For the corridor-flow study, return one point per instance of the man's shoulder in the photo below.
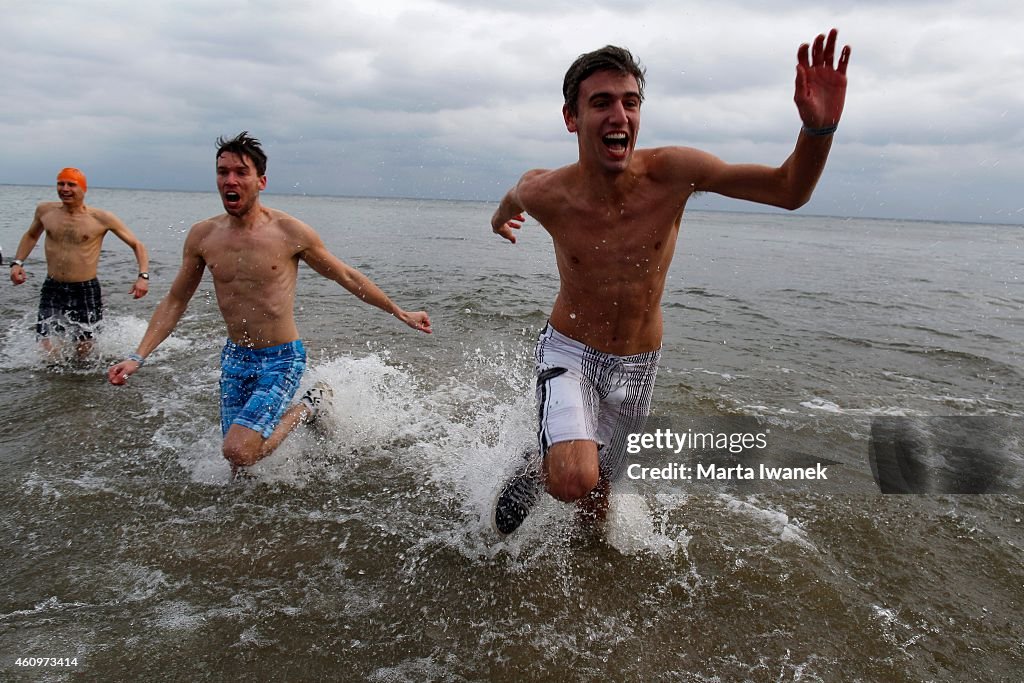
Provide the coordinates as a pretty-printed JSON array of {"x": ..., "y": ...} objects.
[
  {"x": 46, "y": 208},
  {"x": 209, "y": 223},
  {"x": 545, "y": 183},
  {"x": 676, "y": 160},
  {"x": 102, "y": 216},
  {"x": 288, "y": 225},
  {"x": 206, "y": 227},
  {"x": 545, "y": 176},
  {"x": 282, "y": 218}
]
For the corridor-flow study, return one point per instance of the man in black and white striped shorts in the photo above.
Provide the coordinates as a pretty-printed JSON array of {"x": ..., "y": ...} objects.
[
  {"x": 588, "y": 395},
  {"x": 614, "y": 217}
]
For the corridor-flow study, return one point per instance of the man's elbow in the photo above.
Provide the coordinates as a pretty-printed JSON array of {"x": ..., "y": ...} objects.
[
  {"x": 795, "y": 203},
  {"x": 794, "y": 199}
]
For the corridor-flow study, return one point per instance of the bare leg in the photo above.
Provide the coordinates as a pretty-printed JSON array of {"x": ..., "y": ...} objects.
[
  {"x": 244, "y": 446},
  {"x": 84, "y": 348},
  {"x": 292, "y": 418},
  {"x": 50, "y": 349},
  {"x": 571, "y": 470}
]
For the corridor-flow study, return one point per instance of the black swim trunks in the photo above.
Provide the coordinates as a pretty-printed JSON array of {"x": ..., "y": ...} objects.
[{"x": 69, "y": 309}]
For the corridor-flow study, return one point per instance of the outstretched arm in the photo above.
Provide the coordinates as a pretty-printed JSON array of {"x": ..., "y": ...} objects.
[
  {"x": 114, "y": 224},
  {"x": 331, "y": 267},
  {"x": 820, "y": 97},
  {"x": 167, "y": 314},
  {"x": 509, "y": 216}
]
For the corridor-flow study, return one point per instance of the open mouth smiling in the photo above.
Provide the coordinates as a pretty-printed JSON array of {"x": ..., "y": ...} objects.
[{"x": 617, "y": 142}]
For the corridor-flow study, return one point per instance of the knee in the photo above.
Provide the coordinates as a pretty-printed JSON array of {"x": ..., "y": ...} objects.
[
  {"x": 238, "y": 454},
  {"x": 571, "y": 484}
]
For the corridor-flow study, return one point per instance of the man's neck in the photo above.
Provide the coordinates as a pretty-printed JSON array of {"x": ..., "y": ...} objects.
[
  {"x": 249, "y": 219},
  {"x": 600, "y": 184},
  {"x": 73, "y": 207}
]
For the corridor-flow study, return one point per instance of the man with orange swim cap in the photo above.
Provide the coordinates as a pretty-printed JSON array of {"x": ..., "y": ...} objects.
[
  {"x": 73, "y": 175},
  {"x": 70, "y": 303}
]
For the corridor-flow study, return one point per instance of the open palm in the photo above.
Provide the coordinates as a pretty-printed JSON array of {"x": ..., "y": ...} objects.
[{"x": 820, "y": 86}]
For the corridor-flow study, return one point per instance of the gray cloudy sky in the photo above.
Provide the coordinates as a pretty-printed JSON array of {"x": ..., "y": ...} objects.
[{"x": 455, "y": 99}]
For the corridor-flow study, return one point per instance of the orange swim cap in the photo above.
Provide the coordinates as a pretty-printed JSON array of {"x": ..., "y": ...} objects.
[{"x": 73, "y": 175}]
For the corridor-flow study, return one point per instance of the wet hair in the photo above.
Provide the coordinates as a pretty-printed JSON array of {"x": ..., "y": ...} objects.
[
  {"x": 608, "y": 58},
  {"x": 244, "y": 145}
]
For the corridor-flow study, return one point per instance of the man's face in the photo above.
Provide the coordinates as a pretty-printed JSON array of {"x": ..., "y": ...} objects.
[
  {"x": 70, "y": 192},
  {"x": 607, "y": 120},
  {"x": 238, "y": 183}
]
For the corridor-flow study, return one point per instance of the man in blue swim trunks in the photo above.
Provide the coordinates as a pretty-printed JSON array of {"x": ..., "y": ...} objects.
[
  {"x": 70, "y": 301},
  {"x": 614, "y": 217},
  {"x": 253, "y": 253}
]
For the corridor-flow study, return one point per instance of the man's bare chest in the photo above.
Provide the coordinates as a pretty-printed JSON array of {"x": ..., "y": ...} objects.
[
  {"x": 260, "y": 261},
  {"x": 73, "y": 230},
  {"x": 603, "y": 243}
]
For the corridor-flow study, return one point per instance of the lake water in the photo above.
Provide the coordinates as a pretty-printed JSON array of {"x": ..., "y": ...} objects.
[{"x": 362, "y": 550}]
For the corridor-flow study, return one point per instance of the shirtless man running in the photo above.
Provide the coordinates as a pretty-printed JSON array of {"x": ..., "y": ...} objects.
[
  {"x": 253, "y": 253},
  {"x": 70, "y": 302},
  {"x": 614, "y": 216}
]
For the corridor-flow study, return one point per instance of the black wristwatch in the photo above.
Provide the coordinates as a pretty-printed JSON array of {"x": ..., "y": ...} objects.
[
  {"x": 17, "y": 262},
  {"x": 144, "y": 276}
]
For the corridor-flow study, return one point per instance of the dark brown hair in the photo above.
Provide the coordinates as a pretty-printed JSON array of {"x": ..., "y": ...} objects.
[
  {"x": 244, "y": 146},
  {"x": 608, "y": 58}
]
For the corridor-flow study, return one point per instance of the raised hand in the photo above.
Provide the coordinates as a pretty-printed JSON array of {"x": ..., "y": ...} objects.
[{"x": 820, "y": 86}]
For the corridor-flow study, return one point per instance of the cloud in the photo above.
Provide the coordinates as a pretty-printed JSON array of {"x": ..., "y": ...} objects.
[{"x": 456, "y": 99}]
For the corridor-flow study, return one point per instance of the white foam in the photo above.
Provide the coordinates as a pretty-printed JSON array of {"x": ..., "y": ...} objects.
[
  {"x": 826, "y": 406},
  {"x": 631, "y": 528},
  {"x": 36, "y": 484},
  {"x": 114, "y": 338},
  {"x": 177, "y": 615},
  {"x": 374, "y": 404},
  {"x": 141, "y": 583},
  {"x": 822, "y": 404},
  {"x": 252, "y": 638},
  {"x": 416, "y": 669},
  {"x": 724, "y": 375},
  {"x": 373, "y": 401},
  {"x": 120, "y": 335},
  {"x": 51, "y": 604},
  {"x": 462, "y": 438},
  {"x": 777, "y": 521}
]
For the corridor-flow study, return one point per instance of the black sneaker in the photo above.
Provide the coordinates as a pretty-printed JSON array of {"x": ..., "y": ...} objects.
[
  {"x": 517, "y": 497},
  {"x": 315, "y": 398}
]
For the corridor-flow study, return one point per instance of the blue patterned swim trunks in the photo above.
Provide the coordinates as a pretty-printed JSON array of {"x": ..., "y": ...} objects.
[{"x": 256, "y": 385}]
